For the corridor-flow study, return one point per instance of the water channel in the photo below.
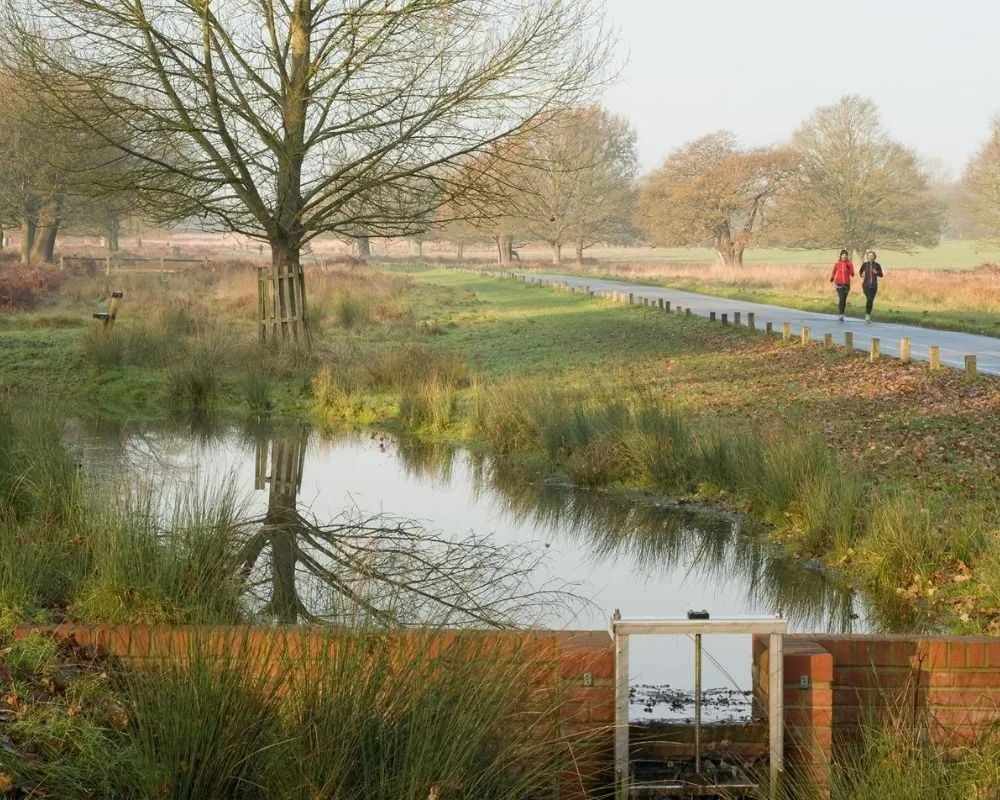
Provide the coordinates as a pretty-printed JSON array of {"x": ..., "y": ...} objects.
[{"x": 427, "y": 516}]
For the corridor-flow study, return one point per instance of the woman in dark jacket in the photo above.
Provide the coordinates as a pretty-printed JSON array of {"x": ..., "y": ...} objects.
[{"x": 870, "y": 272}]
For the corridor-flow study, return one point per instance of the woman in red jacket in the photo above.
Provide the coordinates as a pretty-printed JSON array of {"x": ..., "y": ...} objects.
[{"x": 841, "y": 276}]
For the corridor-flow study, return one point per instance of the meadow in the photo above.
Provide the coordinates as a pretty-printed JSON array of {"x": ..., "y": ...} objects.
[{"x": 883, "y": 472}]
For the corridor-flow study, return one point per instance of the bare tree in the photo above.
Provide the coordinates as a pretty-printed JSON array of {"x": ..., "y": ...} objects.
[
  {"x": 285, "y": 121},
  {"x": 854, "y": 187},
  {"x": 570, "y": 179},
  {"x": 712, "y": 192},
  {"x": 981, "y": 185}
]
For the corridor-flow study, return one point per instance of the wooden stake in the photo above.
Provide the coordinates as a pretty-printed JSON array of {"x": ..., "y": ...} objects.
[
  {"x": 786, "y": 331},
  {"x": 769, "y": 328},
  {"x": 904, "y": 350},
  {"x": 725, "y": 319},
  {"x": 736, "y": 319},
  {"x": 970, "y": 366},
  {"x": 828, "y": 340},
  {"x": 849, "y": 340},
  {"x": 806, "y": 335},
  {"x": 711, "y": 316},
  {"x": 935, "y": 357},
  {"x": 751, "y": 320},
  {"x": 876, "y": 349}
]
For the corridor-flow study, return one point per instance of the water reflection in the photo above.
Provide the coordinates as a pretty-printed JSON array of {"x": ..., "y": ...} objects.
[{"x": 486, "y": 531}]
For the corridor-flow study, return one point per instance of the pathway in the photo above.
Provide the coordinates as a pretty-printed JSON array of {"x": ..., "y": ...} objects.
[{"x": 954, "y": 345}]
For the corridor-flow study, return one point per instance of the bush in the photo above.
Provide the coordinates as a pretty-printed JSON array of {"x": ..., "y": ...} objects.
[{"x": 23, "y": 288}]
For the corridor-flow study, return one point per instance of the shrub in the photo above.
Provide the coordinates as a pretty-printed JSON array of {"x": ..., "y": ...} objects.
[{"x": 23, "y": 288}]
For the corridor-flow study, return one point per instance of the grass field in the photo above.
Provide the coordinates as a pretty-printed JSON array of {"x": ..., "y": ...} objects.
[{"x": 950, "y": 254}]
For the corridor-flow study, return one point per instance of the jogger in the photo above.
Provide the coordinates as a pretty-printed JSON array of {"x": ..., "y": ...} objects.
[
  {"x": 841, "y": 276},
  {"x": 870, "y": 272}
]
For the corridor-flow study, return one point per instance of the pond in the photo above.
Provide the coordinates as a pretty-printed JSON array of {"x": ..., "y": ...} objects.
[{"x": 562, "y": 557}]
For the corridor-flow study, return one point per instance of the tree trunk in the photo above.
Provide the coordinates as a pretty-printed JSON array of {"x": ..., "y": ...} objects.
[
  {"x": 3, "y": 238},
  {"x": 111, "y": 234},
  {"x": 579, "y": 252},
  {"x": 505, "y": 249},
  {"x": 27, "y": 240},
  {"x": 557, "y": 253},
  {"x": 364, "y": 247},
  {"x": 459, "y": 250},
  {"x": 44, "y": 246},
  {"x": 282, "y": 304}
]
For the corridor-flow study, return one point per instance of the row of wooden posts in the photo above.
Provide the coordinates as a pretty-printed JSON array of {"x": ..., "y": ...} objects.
[
  {"x": 110, "y": 262},
  {"x": 630, "y": 298}
]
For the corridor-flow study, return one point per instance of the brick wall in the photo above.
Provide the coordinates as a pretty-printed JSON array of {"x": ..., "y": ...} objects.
[
  {"x": 835, "y": 684},
  {"x": 577, "y": 667}
]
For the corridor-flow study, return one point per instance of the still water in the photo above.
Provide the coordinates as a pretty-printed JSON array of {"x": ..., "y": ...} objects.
[{"x": 361, "y": 511}]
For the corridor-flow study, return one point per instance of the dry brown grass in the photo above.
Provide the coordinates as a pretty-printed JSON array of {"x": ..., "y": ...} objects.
[{"x": 913, "y": 291}]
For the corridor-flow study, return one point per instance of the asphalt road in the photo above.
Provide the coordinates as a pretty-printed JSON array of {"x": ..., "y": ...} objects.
[{"x": 954, "y": 346}]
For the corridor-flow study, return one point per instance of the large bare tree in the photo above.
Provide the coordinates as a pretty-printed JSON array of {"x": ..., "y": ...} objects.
[
  {"x": 710, "y": 191},
  {"x": 855, "y": 187},
  {"x": 573, "y": 177},
  {"x": 288, "y": 120}
]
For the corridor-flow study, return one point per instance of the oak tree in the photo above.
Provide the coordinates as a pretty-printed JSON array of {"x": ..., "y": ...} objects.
[
  {"x": 855, "y": 187},
  {"x": 287, "y": 121},
  {"x": 711, "y": 191}
]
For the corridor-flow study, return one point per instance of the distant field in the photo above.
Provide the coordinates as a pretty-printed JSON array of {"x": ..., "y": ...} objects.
[{"x": 948, "y": 255}]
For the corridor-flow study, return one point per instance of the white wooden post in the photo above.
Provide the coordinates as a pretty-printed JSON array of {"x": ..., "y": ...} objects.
[
  {"x": 621, "y": 716},
  {"x": 775, "y": 710}
]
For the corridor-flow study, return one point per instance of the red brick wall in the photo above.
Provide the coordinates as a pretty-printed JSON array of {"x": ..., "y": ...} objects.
[{"x": 950, "y": 683}]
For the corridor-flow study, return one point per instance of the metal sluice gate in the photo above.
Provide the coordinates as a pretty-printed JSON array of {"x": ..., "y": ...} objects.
[{"x": 696, "y": 625}]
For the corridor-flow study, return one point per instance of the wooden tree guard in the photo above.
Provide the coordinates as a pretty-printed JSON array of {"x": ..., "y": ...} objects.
[{"x": 281, "y": 305}]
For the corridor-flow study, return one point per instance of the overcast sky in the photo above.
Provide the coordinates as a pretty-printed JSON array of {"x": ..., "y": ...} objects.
[{"x": 759, "y": 68}]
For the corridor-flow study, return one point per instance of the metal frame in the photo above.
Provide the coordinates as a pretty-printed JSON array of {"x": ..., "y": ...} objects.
[{"x": 774, "y": 627}]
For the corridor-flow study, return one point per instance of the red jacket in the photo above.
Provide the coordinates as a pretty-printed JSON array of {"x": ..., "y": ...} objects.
[{"x": 843, "y": 271}]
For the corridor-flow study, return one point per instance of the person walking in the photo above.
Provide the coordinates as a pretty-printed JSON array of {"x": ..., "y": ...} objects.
[
  {"x": 841, "y": 276},
  {"x": 870, "y": 272}
]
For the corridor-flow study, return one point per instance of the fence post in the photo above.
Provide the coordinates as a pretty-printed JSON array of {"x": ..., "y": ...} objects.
[
  {"x": 687, "y": 312},
  {"x": 769, "y": 328},
  {"x": 828, "y": 340},
  {"x": 751, "y": 321},
  {"x": 935, "y": 357},
  {"x": 736, "y": 318},
  {"x": 725, "y": 319},
  {"x": 970, "y": 366},
  {"x": 631, "y": 298},
  {"x": 806, "y": 335},
  {"x": 786, "y": 331},
  {"x": 876, "y": 349},
  {"x": 904, "y": 350},
  {"x": 849, "y": 340},
  {"x": 711, "y": 316}
]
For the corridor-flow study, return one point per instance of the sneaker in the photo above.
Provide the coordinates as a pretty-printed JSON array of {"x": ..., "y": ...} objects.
[
  {"x": 868, "y": 318},
  {"x": 841, "y": 317}
]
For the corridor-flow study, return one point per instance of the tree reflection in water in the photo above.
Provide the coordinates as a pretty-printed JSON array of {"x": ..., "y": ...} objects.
[{"x": 379, "y": 569}]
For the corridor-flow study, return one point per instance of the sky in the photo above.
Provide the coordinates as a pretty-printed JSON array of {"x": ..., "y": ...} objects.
[{"x": 760, "y": 68}]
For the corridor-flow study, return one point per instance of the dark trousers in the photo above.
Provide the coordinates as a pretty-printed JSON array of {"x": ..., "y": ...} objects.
[
  {"x": 870, "y": 292},
  {"x": 842, "y": 292}
]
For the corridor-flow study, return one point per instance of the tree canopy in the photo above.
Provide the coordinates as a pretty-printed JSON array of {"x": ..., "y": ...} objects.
[
  {"x": 855, "y": 187},
  {"x": 285, "y": 121},
  {"x": 981, "y": 184},
  {"x": 710, "y": 191}
]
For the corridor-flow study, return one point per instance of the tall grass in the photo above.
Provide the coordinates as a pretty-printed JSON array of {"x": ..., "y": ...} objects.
[{"x": 356, "y": 715}]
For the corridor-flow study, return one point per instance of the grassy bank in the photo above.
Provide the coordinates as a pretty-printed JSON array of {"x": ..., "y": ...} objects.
[
  {"x": 360, "y": 716},
  {"x": 870, "y": 467}
]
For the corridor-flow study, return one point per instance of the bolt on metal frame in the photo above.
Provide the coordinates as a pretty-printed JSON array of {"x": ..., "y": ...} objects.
[{"x": 774, "y": 627}]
